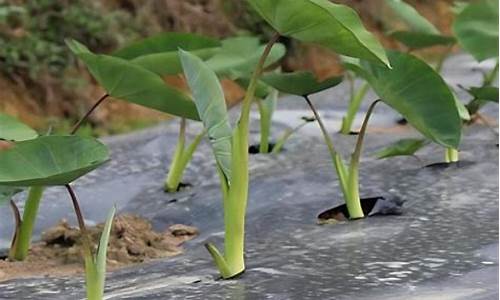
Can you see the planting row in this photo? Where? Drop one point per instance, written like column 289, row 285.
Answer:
column 137, row 73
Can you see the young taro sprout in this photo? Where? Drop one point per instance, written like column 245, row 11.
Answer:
column 58, row 161
column 230, row 150
column 429, row 106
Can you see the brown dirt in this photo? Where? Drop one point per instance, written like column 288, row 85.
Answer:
column 132, row 241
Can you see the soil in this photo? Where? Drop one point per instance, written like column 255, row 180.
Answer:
column 132, row 241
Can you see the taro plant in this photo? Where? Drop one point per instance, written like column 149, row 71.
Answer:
column 427, row 103
column 58, row 161
column 476, row 30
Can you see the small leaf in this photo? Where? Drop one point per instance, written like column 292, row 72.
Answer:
column 13, row 130
column 416, row 91
column 476, row 28
column 419, row 40
column 334, row 26
column 300, row 83
column 102, row 250
column 130, row 82
column 50, row 160
column 403, row 147
column 463, row 112
column 159, row 53
column 239, row 55
column 209, row 99
column 486, row 93
column 408, row 14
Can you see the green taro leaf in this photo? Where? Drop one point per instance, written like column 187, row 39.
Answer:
column 403, row 147
column 486, row 93
column 7, row 192
column 12, row 129
column 50, row 160
column 209, row 99
column 408, row 14
column 476, row 28
column 416, row 91
column 261, row 90
column 159, row 53
column 331, row 25
column 300, row 83
column 419, row 40
column 130, row 82
column 239, row 56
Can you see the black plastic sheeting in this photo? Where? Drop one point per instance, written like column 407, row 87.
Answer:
column 441, row 245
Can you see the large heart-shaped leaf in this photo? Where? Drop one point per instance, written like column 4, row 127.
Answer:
column 301, row 83
column 50, row 160
column 476, row 28
column 417, row 92
column 334, row 26
column 12, row 129
column 130, row 82
column 209, row 99
column 239, row 56
column 159, row 53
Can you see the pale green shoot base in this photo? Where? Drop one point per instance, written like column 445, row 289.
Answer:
column 451, row 155
column 182, row 156
column 22, row 240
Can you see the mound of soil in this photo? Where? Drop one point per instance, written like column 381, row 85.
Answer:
column 132, row 241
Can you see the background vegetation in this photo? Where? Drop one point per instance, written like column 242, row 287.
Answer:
column 39, row 76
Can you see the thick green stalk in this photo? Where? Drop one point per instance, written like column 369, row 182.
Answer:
column 23, row 240
column 451, row 155
column 354, row 104
column 353, row 201
column 265, row 128
column 338, row 164
column 236, row 192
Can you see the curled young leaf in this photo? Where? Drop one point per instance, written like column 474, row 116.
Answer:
column 211, row 105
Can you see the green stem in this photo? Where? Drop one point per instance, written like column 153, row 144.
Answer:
column 451, row 155
column 353, row 108
column 353, row 201
column 23, row 240
column 265, row 128
column 175, row 170
column 338, row 164
column 93, row 287
column 236, row 192
column 488, row 79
